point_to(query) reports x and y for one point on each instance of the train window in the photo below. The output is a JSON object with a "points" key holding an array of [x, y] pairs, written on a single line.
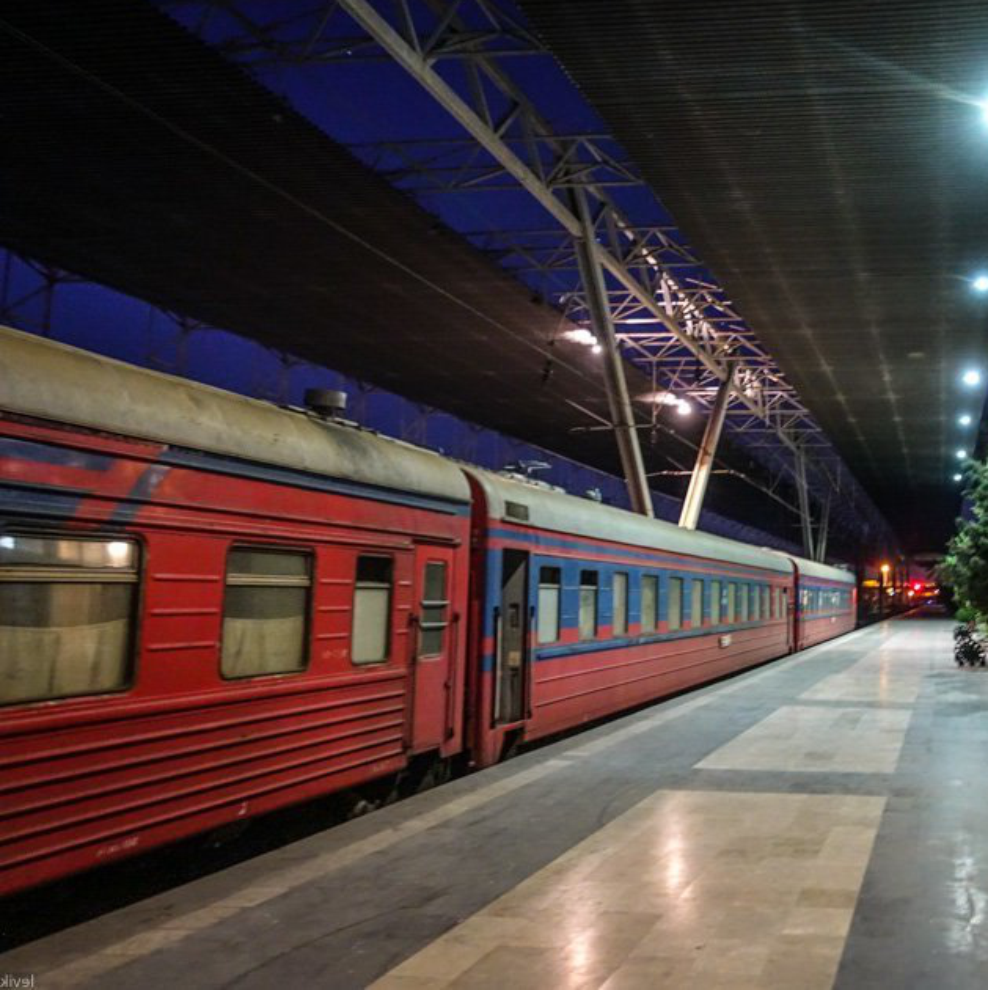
{"points": [[619, 624], [650, 603], [588, 604], [732, 596], [265, 613], [550, 586], [696, 603], [766, 602], [715, 603], [66, 616], [371, 633], [756, 603], [433, 621], [743, 604], [675, 610]]}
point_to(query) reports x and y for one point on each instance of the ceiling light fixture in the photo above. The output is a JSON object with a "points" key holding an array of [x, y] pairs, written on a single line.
{"points": [[964, 420], [971, 377], [581, 335], [980, 283], [958, 477], [961, 454]]}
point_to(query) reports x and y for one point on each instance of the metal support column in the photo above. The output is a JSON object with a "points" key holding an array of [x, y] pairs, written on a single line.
{"points": [[805, 511], [618, 400], [689, 517], [822, 531]]}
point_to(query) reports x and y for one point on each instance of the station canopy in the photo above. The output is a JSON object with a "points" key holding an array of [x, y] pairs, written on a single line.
{"points": [[270, 170], [829, 161]]}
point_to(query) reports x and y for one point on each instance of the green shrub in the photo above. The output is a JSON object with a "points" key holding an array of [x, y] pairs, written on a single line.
{"points": [[965, 614], [965, 566]]}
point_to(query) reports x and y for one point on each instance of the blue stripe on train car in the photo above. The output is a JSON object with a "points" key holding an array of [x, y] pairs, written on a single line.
{"points": [[43, 453], [40, 500]]}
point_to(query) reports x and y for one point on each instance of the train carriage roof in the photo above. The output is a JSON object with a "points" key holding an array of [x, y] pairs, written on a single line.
{"points": [[64, 384], [812, 569], [518, 501]]}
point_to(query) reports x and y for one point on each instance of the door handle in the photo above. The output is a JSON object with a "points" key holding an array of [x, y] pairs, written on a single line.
{"points": [[497, 666], [529, 663]]}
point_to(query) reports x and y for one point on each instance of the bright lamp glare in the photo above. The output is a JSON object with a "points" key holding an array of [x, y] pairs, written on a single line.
{"points": [[684, 408], [980, 283], [958, 477], [581, 335], [596, 349], [964, 420], [971, 377], [961, 454]]}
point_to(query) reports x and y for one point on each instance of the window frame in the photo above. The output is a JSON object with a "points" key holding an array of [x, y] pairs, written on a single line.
{"points": [[596, 605], [389, 635], [539, 583], [136, 623], [697, 582], [681, 584], [424, 603], [626, 610], [655, 583], [309, 609]]}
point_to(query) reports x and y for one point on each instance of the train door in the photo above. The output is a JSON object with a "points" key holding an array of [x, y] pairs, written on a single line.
{"points": [[434, 648], [511, 647], [790, 615]]}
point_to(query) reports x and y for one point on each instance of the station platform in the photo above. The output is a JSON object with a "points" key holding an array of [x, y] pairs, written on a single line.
{"points": [[820, 821]]}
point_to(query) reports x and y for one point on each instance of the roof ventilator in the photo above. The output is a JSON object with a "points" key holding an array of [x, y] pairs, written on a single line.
{"points": [[326, 403]]}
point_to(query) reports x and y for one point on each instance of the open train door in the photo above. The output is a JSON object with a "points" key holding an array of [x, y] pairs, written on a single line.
{"points": [[790, 597], [511, 648], [435, 645]]}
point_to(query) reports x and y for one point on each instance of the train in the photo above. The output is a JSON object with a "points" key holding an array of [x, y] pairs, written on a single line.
{"points": [[212, 607]]}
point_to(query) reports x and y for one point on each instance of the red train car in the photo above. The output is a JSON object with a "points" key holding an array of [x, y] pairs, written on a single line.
{"points": [[211, 608]]}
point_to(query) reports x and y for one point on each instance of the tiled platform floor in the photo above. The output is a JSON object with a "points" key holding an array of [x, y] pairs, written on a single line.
{"points": [[822, 821]]}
